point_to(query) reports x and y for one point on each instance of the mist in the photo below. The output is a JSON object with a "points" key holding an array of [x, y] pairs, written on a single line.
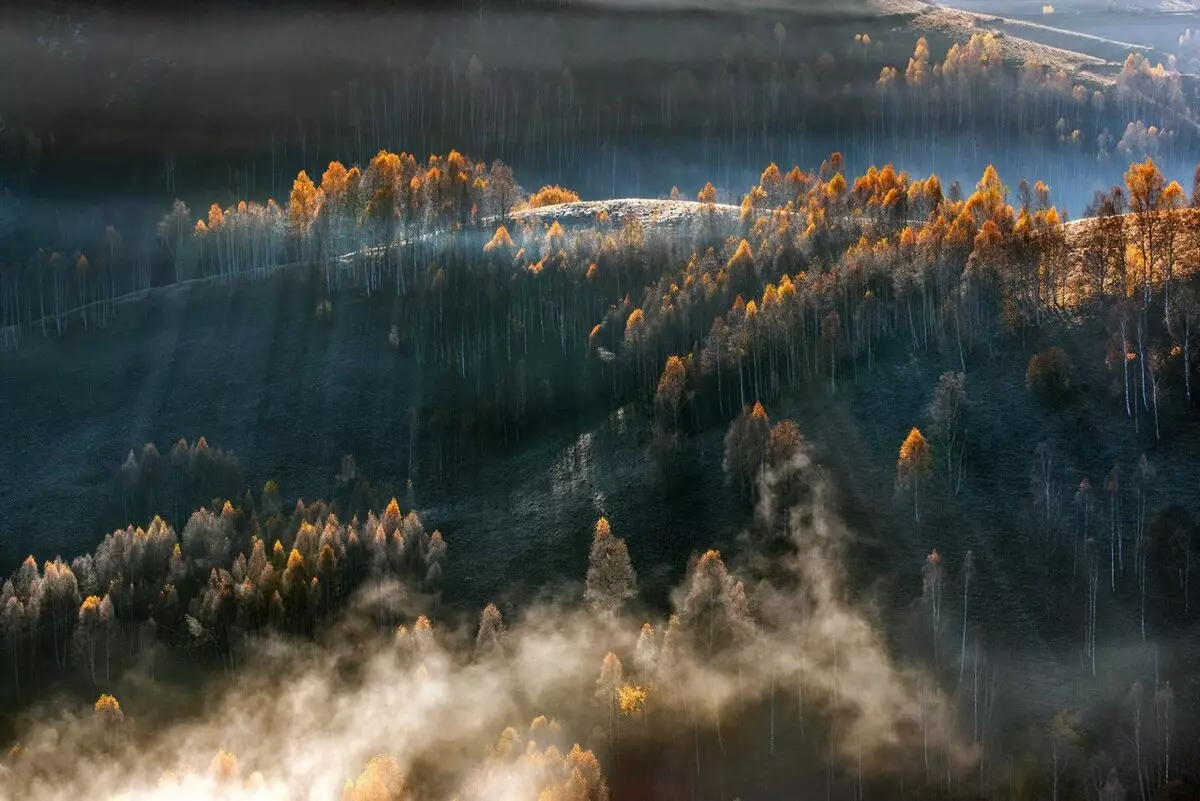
{"points": [[303, 718]]}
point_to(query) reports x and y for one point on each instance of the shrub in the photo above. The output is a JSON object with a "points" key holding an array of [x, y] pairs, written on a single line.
{"points": [[551, 196], [1049, 376]]}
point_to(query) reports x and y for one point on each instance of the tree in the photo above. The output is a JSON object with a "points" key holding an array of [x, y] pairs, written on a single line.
{"points": [[552, 196], [645, 653], [931, 592], [968, 574], [1048, 376], [490, 637], [109, 717], [611, 580], [945, 412], [913, 467], [89, 625], [501, 193], [381, 780], [713, 614], [174, 230], [1135, 707], [1185, 317], [607, 688], [1045, 489], [12, 626], [669, 395], [302, 206], [746, 448], [1064, 736]]}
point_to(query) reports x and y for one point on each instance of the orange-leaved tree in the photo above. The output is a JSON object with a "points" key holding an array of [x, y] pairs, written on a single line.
{"points": [[914, 466], [552, 196]]}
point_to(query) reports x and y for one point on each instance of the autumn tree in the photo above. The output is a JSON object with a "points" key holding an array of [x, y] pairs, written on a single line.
{"points": [[607, 689], [12, 628], [746, 448], [381, 780], [551, 196], [713, 614], [668, 398], [611, 580], [914, 467], [645, 653], [302, 210], [490, 637], [109, 717], [87, 631]]}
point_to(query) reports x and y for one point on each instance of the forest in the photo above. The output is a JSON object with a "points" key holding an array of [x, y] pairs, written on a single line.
{"points": [[849, 479]]}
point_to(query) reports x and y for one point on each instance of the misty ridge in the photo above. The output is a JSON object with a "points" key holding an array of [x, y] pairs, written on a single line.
{"points": [[433, 700], [600, 401]]}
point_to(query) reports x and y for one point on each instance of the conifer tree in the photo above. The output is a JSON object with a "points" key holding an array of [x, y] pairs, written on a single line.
{"points": [[611, 580]]}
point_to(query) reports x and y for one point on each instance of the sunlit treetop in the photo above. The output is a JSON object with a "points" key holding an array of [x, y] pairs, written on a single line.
{"points": [[742, 258], [602, 528], [107, 704], [914, 452], [392, 510], [224, 767]]}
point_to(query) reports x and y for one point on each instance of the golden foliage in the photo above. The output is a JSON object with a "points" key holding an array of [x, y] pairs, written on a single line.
{"points": [[673, 375], [742, 258], [224, 767], [552, 196], [303, 204], [635, 323], [631, 699], [381, 780], [335, 181], [107, 705], [295, 560], [915, 459], [500, 239], [602, 528]]}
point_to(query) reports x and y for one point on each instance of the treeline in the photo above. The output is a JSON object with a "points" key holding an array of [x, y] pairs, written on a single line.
{"points": [[751, 667], [187, 477], [751, 99], [516, 321], [227, 575], [974, 85]]}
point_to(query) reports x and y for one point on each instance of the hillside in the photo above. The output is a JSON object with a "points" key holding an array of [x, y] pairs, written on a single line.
{"points": [[825, 425]]}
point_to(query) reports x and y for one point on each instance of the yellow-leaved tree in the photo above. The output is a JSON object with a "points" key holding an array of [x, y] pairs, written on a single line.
{"points": [[914, 466]]}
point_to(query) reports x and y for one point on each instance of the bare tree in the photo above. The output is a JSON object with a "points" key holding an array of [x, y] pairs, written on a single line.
{"points": [[945, 412]]}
